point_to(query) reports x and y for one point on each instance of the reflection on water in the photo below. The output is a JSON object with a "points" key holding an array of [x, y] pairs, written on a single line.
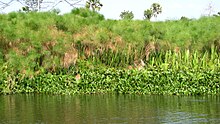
{"points": [[120, 109]]}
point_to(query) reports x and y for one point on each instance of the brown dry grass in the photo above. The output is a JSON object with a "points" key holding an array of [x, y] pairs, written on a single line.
{"points": [[70, 57], [177, 50], [148, 49], [48, 45]]}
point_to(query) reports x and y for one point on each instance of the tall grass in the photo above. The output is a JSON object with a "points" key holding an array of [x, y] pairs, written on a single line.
{"points": [[32, 42]]}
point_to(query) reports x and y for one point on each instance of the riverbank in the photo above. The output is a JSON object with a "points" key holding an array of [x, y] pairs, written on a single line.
{"points": [[110, 80], [82, 52]]}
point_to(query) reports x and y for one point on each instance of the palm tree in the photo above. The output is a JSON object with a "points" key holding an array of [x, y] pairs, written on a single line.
{"points": [[153, 11], [94, 4]]}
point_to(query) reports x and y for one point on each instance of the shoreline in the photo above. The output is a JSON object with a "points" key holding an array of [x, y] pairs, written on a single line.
{"points": [[152, 82]]}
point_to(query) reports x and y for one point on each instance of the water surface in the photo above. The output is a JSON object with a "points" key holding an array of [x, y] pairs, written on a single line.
{"points": [[108, 109]]}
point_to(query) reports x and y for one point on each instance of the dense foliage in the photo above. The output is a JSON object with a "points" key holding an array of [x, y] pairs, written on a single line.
{"points": [[127, 15], [102, 80], [43, 52], [153, 11]]}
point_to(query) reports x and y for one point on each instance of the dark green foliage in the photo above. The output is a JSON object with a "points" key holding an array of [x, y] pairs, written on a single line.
{"points": [[153, 11], [94, 4], [100, 80], [127, 15], [32, 24], [86, 13], [25, 9], [61, 23], [184, 18], [148, 14]]}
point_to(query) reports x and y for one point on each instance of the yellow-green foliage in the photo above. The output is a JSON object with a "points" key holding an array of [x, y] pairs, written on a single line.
{"points": [[81, 52], [32, 42]]}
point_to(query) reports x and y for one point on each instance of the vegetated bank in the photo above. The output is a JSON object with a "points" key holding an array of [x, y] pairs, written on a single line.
{"points": [[81, 52]]}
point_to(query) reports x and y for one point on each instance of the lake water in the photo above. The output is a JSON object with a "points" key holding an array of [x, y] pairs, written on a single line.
{"points": [[108, 109]]}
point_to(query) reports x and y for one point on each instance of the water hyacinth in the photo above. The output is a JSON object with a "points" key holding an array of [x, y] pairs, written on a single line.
{"points": [[109, 80]]}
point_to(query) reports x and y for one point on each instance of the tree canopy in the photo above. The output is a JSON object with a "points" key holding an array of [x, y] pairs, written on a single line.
{"points": [[94, 4], [154, 10], [127, 15]]}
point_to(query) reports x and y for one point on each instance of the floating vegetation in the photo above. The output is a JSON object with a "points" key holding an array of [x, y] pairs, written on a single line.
{"points": [[152, 80]]}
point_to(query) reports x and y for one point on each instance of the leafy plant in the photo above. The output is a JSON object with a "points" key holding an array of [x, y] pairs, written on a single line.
{"points": [[127, 15], [94, 4], [153, 11]]}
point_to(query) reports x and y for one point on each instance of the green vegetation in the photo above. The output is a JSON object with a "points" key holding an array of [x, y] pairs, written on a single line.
{"points": [[153, 11], [81, 52], [94, 4], [127, 15], [103, 80]]}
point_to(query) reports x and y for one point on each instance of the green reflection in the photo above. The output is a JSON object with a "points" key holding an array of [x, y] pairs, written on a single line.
{"points": [[109, 108]]}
